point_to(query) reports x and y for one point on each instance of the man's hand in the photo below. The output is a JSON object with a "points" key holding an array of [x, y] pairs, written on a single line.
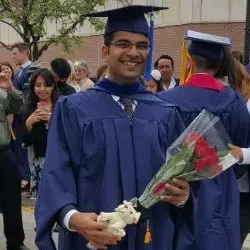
{"points": [[86, 225], [179, 192], [236, 152]]}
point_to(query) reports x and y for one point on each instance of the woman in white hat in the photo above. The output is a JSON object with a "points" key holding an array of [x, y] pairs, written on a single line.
{"points": [[154, 84]]}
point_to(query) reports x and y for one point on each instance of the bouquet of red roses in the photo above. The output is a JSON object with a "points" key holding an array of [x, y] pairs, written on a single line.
{"points": [[200, 152]]}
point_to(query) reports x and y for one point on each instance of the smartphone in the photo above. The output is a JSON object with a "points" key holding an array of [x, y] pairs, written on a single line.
{"points": [[43, 106]]}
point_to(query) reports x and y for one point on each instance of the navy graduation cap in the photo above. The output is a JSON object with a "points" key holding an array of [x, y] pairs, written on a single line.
{"points": [[130, 18], [207, 45]]}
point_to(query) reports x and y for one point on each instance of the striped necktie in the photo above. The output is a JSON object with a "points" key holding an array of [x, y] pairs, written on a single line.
{"points": [[128, 106]]}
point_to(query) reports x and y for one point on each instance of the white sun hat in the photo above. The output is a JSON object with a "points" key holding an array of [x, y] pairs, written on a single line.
{"points": [[156, 75]]}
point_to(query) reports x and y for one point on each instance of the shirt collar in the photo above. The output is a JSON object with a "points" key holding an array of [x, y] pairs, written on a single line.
{"points": [[25, 65], [117, 98], [171, 85]]}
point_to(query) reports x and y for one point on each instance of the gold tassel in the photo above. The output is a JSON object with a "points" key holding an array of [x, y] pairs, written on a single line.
{"points": [[183, 63], [185, 57], [147, 238], [12, 134]]}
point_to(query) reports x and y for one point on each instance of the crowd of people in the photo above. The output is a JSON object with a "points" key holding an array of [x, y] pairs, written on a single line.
{"points": [[79, 145], [36, 90]]}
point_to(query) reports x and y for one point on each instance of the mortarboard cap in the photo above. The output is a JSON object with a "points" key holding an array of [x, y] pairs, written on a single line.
{"points": [[129, 18], [207, 45]]}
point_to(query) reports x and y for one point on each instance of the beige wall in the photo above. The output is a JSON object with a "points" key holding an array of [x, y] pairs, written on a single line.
{"points": [[167, 41], [171, 26]]}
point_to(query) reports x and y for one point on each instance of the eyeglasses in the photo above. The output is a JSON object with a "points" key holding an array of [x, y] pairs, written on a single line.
{"points": [[126, 45]]}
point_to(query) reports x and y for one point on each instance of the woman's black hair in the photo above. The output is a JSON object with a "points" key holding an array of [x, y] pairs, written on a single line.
{"points": [[159, 85], [223, 67], [228, 68], [32, 99], [206, 63]]}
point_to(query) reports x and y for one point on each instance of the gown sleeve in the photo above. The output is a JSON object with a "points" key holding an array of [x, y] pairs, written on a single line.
{"points": [[240, 130], [58, 184], [240, 126]]}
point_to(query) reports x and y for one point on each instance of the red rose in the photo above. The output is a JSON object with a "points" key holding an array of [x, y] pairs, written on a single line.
{"points": [[158, 188], [211, 151], [200, 143], [204, 164], [200, 164], [200, 151], [205, 156]]}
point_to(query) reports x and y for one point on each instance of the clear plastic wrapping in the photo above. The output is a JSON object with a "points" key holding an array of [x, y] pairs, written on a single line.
{"points": [[200, 152]]}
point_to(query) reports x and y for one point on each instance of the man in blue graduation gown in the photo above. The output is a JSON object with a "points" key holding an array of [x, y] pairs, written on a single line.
{"points": [[105, 145], [218, 199]]}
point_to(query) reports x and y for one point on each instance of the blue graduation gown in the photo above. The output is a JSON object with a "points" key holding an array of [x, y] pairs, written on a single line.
{"points": [[21, 83], [96, 159], [217, 224]]}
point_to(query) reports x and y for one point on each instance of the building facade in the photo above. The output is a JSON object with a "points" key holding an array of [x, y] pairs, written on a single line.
{"points": [[222, 17]]}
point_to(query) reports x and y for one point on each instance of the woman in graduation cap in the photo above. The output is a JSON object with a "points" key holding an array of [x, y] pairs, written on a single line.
{"points": [[105, 145], [217, 225]]}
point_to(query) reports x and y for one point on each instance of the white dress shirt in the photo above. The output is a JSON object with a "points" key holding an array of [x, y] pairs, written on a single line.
{"points": [[23, 66], [26, 64], [74, 211], [171, 85], [117, 99]]}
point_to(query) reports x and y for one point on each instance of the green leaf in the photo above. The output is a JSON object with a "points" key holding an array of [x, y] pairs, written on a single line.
{"points": [[29, 18], [176, 166]]}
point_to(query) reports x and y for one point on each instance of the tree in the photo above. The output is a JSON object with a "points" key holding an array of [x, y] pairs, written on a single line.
{"points": [[29, 19]]}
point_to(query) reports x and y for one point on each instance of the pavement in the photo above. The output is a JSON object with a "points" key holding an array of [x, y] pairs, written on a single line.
{"points": [[29, 225]]}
